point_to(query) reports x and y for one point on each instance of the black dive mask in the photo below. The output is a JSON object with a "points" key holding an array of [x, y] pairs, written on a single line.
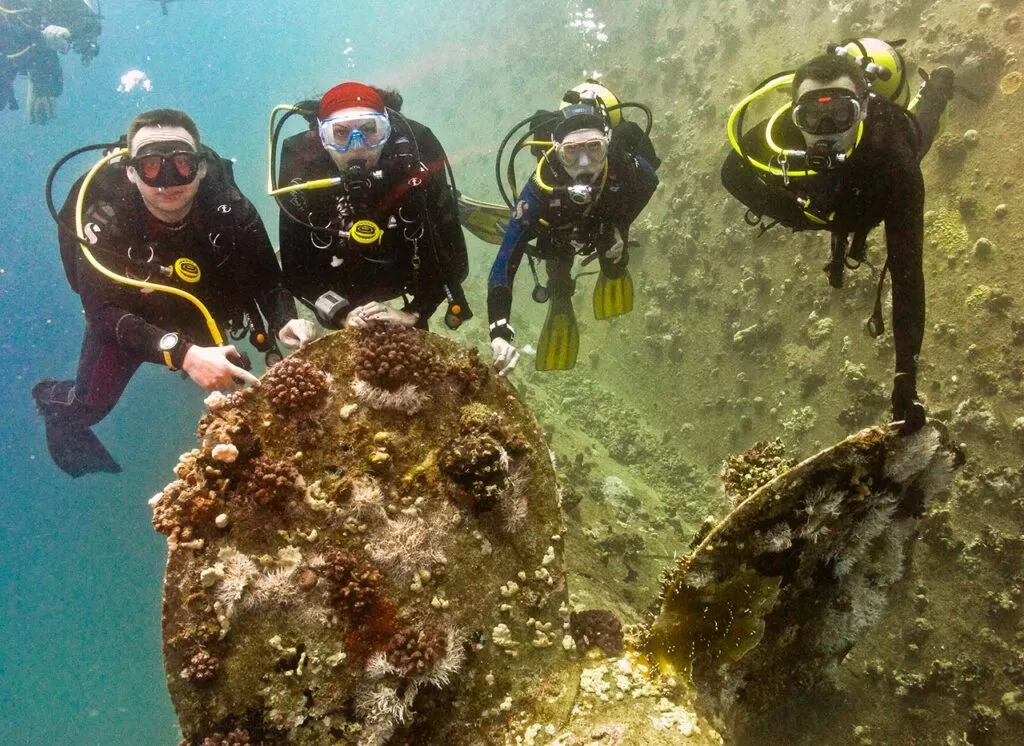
{"points": [[177, 168], [823, 156], [828, 111]]}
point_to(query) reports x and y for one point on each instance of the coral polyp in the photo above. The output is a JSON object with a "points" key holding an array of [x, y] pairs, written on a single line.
{"points": [[296, 388]]}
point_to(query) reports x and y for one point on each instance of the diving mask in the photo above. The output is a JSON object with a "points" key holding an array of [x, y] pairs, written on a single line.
{"points": [[348, 130], [581, 153], [159, 167], [827, 111]]}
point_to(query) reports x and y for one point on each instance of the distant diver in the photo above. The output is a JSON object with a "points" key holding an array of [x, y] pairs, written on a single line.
{"points": [[168, 257], [33, 33], [368, 212], [595, 173], [843, 155]]}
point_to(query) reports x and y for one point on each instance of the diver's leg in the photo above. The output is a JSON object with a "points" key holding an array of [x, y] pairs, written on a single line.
{"points": [[70, 408], [561, 286], [930, 104]]}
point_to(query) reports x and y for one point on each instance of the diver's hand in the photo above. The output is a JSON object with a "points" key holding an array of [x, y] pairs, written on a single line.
{"points": [[359, 316], [614, 252], [374, 311], [504, 355], [40, 108], [212, 370], [57, 38], [906, 407], [296, 333]]}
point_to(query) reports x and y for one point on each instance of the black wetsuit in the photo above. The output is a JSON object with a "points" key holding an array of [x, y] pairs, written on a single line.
{"points": [[630, 183], [422, 249], [880, 182], [238, 280]]}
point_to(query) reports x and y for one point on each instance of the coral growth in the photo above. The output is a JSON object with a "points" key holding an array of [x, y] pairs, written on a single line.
{"points": [[407, 398], [480, 464], [271, 483], [201, 667], [597, 628], [414, 651], [237, 737], [407, 545], [742, 475], [296, 388], [391, 356], [353, 585]]}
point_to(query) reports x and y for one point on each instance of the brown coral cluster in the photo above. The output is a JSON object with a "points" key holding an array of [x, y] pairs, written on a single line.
{"points": [[391, 356], [186, 503], [353, 585], [201, 667], [743, 474], [480, 464], [414, 651], [296, 388], [597, 628], [270, 483], [237, 737]]}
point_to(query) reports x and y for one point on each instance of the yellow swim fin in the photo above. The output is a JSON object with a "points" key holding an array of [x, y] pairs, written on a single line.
{"points": [[613, 297], [559, 342], [484, 220]]}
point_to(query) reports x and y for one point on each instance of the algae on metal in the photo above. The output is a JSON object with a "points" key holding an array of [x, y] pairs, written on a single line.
{"points": [[778, 593], [398, 573]]}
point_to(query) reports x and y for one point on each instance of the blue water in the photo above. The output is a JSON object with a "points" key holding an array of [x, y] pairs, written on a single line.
{"points": [[80, 566]]}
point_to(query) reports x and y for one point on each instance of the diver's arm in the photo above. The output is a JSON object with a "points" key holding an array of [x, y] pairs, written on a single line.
{"points": [[641, 182], [521, 228], [267, 281], [445, 267]]}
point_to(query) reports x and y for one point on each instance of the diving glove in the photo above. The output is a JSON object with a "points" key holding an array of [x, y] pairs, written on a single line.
{"points": [[907, 409]]}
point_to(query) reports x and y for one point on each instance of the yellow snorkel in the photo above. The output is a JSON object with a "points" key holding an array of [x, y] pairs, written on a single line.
{"points": [[218, 339]]}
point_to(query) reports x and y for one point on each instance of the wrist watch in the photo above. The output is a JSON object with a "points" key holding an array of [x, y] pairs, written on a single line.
{"points": [[168, 344]]}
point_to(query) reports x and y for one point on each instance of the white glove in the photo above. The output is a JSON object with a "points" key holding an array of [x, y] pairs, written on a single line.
{"points": [[57, 38], [296, 333], [614, 252], [505, 355]]}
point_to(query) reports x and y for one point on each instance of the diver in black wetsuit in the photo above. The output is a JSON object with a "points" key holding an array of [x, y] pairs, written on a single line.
{"points": [[844, 160], [386, 226], [32, 34], [172, 218]]}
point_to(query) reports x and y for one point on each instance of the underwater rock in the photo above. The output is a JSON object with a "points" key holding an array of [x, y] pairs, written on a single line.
{"points": [[344, 602], [762, 613]]}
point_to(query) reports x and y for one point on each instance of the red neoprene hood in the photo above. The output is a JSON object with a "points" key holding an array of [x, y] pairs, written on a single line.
{"points": [[350, 95]]}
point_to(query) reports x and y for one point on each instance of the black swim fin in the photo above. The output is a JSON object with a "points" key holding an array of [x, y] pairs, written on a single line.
{"points": [[77, 451], [559, 342]]}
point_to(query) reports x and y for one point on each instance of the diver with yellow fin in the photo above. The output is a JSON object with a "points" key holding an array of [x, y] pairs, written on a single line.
{"points": [[595, 173], [843, 154], [168, 256]]}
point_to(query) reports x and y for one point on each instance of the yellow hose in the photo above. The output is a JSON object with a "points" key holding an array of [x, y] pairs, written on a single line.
{"points": [[210, 323]]}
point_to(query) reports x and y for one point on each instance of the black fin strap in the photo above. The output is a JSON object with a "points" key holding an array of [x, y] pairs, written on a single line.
{"points": [[876, 323]]}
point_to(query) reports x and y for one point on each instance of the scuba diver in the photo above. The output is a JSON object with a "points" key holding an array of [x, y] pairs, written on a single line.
{"points": [[367, 214], [595, 173], [166, 254], [32, 33], [844, 155]]}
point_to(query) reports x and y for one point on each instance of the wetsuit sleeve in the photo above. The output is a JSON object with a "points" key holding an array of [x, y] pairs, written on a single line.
{"points": [[642, 184], [521, 228], [447, 264], [301, 262], [904, 236], [107, 303], [267, 281]]}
